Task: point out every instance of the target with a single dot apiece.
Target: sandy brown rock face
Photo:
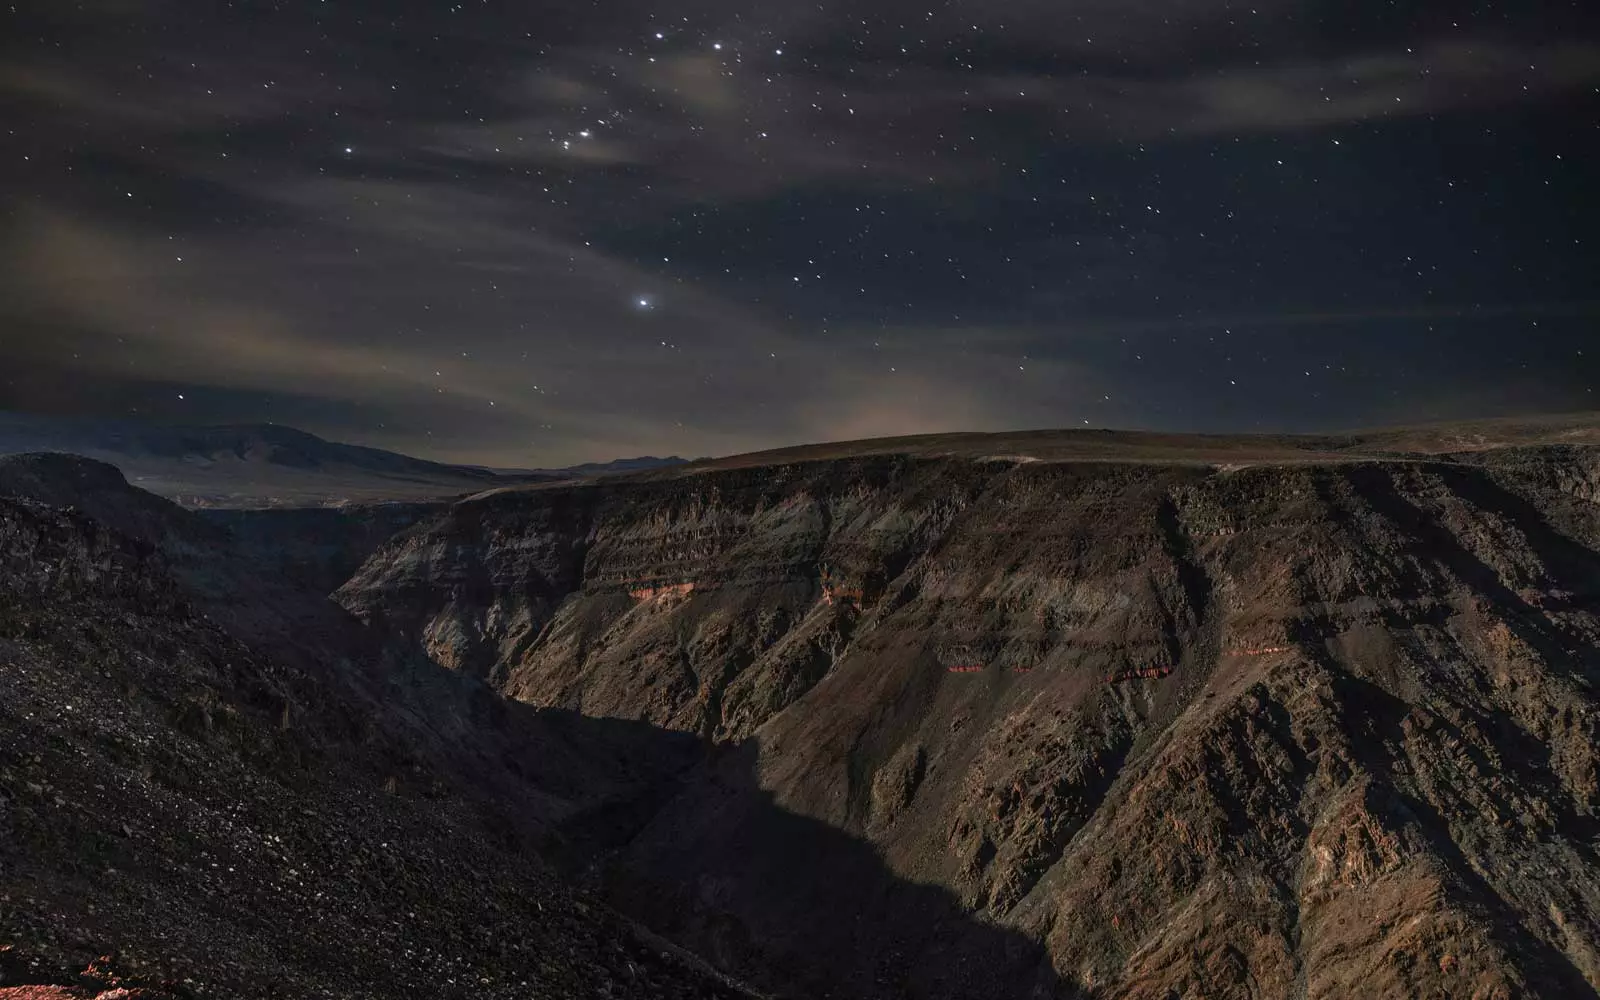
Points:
(79, 993)
(702, 613)
(101, 980)
(1312, 730)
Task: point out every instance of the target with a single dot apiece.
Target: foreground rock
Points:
(235, 793)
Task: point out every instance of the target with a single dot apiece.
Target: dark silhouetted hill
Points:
(267, 465)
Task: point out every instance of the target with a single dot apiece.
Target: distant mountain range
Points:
(268, 465)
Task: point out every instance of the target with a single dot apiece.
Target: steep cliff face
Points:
(1316, 729)
(702, 610)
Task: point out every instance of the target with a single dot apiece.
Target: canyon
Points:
(1051, 715)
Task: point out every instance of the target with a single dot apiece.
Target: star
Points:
(976, 215)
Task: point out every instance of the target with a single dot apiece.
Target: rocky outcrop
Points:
(80, 993)
(1315, 729)
(102, 980)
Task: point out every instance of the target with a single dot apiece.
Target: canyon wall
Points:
(1318, 730)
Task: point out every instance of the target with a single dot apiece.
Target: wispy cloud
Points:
(455, 227)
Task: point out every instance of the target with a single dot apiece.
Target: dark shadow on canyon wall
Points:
(799, 907)
(792, 905)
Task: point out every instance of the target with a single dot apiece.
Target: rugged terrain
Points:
(219, 786)
(1038, 716)
(1050, 715)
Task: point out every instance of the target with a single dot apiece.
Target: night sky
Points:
(541, 233)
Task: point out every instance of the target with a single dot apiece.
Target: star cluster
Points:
(529, 235)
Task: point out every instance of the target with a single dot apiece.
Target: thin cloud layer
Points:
(524, 240)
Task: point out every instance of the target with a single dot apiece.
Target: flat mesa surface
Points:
(1421, 442)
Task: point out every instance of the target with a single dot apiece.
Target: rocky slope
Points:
(1313, 723)
(215, 786)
